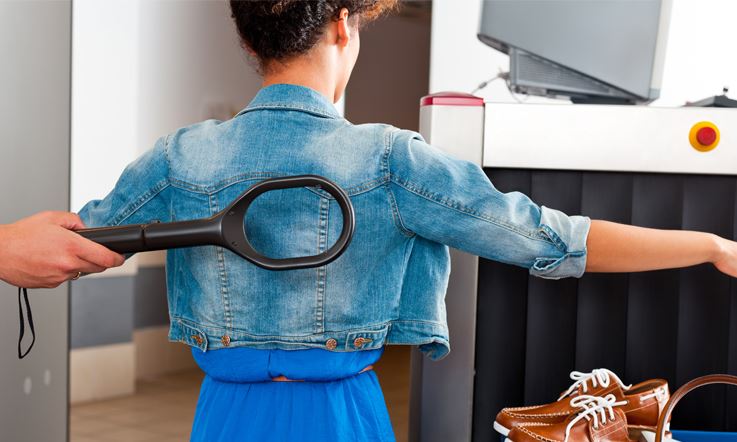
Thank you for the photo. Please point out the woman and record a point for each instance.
(288, 355)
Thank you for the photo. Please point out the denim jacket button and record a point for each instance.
(331, 344)
(225, 340)
(197, 339)
(358, 342)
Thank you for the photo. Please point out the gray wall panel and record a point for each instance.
(102, 311)
(150, 307)
(107, 310)
(35, 49)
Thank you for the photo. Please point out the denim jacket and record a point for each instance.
(411, 201)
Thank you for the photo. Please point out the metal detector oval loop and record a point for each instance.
(238, 210)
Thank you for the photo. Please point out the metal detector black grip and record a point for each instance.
(236, 213)
(136, 238)
(121, 239)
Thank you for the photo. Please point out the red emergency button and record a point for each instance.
(704, 136)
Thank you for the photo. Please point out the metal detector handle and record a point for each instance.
(136, 238)
(236, 213)
(121, 239)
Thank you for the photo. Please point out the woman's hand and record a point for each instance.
(726, 259)
(42, 251)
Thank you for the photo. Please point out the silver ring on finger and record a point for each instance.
(77, 276)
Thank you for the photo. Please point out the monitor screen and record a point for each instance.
(581, 48)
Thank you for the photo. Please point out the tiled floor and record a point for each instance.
(162, 409)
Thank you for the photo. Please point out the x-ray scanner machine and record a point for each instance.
(514, 338)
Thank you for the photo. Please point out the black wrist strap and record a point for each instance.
(24, 293)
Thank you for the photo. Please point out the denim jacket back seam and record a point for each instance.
(357, 189)
(222, 270)
(323, 229)
(223, 184)
(386, 172)
(395, 212)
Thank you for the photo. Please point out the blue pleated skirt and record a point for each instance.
(239, 402)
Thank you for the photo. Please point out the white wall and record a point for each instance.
(699, 60)
(104, 95)
(700, 57)
(141, 69)
(191, 67)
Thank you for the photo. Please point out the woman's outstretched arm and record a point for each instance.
(616, 247)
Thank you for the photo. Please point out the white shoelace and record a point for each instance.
(599, 376)
(660, 393)
(594, 407)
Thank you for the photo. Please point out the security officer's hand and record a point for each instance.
(42, 251)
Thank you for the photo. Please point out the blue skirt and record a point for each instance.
(239, 401)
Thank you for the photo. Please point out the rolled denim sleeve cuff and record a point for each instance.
(568, 234)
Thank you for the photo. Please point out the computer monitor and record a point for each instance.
(592, 51)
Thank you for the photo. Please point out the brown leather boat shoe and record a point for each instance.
(600, 419)
(644, 402)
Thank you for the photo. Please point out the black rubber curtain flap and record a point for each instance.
(672, 324)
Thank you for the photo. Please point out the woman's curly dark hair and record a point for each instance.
(280, 29)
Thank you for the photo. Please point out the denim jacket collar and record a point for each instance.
(292, 97)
